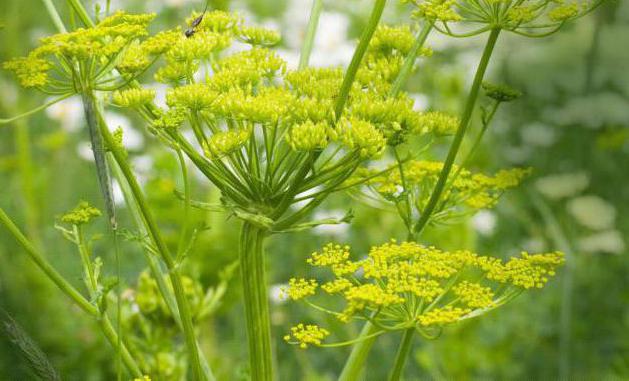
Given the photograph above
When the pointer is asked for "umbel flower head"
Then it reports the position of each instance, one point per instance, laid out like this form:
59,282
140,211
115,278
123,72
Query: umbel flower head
534,18
81,215
66,62
404,285
466,191
269,136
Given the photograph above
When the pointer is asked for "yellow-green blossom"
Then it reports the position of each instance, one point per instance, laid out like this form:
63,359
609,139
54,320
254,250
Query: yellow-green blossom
82,214
226,142
134,97
300,288
308,136
305,335
403,285
258,36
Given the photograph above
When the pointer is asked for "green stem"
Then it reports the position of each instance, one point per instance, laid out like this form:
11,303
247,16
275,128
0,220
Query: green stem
359,54
81,12
155,234
409,62
256,305
460,133
35,110
402,354
54,15
43,264
356,360
114,339
313,23
71,292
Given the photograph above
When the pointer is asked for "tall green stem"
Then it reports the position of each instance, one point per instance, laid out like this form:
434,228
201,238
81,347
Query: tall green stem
313,23
409,62
460,133
402,354
256,305
356,360
154,232
359,54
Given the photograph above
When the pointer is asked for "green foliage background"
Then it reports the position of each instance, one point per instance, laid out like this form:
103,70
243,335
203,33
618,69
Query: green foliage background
575,85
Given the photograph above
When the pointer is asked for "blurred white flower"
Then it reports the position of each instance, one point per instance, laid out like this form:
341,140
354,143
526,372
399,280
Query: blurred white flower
142,164
84,150
117,193
562,185
275,293
517,154
296,22
68,112
484,222
336,230
538,134
131,138
610,241
421,102
592,212
331,47
592,111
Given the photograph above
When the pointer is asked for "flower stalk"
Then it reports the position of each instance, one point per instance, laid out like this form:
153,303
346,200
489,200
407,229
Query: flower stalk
356,360
258,321
311,31
402,354
154,232
460,133
69,290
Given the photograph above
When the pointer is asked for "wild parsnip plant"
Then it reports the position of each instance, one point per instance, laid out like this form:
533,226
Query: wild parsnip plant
277,142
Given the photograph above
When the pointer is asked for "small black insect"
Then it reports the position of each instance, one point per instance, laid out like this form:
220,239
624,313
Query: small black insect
195,23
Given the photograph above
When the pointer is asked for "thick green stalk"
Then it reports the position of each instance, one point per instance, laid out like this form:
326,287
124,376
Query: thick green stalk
154,232
359,54
409,62
402,354
313,23
256,304
71,292
460,133
356,360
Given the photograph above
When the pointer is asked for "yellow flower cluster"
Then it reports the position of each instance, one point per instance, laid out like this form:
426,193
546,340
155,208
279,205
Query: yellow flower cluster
474,295
82,214
307,335
466,191
299,288
134,97
442,316
259,36
522,17
226,142
308,136
112,37
362,136
438,10
400,285
436,122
